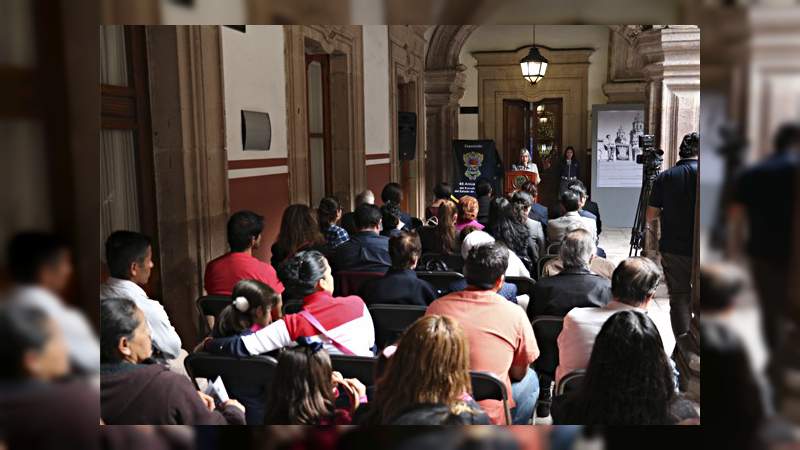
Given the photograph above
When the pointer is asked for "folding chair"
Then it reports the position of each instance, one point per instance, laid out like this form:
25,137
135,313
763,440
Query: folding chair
554,248
546,329
486,386
348,283
440,281
252,376
542,262
209,307
361,368
391,320
524,285
570,382
455,263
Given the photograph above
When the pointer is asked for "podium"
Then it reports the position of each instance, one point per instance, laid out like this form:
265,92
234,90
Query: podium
516,178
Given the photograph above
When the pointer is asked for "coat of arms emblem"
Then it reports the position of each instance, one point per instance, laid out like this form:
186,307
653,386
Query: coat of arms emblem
473,161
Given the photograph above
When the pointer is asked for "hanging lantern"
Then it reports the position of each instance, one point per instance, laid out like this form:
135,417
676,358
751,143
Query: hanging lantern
533,66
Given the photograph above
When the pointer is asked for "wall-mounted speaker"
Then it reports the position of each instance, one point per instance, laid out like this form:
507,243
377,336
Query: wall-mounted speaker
406,135
256,130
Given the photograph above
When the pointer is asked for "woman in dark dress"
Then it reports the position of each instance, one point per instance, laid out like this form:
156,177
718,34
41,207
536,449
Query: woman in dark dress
570,169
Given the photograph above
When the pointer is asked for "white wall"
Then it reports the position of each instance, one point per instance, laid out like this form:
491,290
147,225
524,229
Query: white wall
376,89
512,37
255,79
208,12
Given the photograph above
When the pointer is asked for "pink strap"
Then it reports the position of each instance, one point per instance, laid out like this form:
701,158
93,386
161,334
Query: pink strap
315,323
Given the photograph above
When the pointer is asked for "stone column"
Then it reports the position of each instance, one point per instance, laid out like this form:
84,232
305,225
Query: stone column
186,89
443,90
672,71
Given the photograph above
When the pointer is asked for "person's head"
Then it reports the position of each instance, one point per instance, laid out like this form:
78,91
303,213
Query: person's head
302,388
442,191
530,187
40,258
329,211
569,152
522,203
299,228
129,256
580,189
690,145
486,265
635,280
430,366
628,380
483,188
244,230
788,137
124,334
467,208
365,197
524,156
577,249
496,209
570,200
720,285
392,192
306,272
508,226
32,345
368,218
252,303
474,239
447,216
390,216
405,250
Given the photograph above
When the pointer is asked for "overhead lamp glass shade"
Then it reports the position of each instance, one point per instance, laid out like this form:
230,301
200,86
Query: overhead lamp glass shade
533,66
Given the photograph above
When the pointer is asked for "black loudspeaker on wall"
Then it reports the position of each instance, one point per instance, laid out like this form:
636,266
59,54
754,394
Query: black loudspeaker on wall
407,134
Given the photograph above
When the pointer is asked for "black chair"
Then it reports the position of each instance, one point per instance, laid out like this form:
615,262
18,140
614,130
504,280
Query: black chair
391,320
440,281
546,329
209,307
252,375
524,285
292,307
570,382
554,248
542,261
486,386
348,283
454,262
359,367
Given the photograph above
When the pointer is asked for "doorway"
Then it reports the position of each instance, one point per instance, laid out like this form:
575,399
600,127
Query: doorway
320,177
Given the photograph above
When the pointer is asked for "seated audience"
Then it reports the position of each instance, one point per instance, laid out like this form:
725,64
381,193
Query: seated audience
400,285
244,237
633,287
328,215
538,211
588,208
130,261
628,380
483,192
304,388
441,238
254,306
40,266
557,228
349,219
38,409
299,232
393,193
391,225
133,390
501,339
467,213
576,286
508,290
343,323
600,266
510,228
522,202
367,250
426,381
442,193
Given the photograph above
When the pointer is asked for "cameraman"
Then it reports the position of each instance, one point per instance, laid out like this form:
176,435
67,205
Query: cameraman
673,198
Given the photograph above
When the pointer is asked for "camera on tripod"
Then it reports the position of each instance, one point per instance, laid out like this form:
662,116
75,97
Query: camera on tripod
651,159
650,155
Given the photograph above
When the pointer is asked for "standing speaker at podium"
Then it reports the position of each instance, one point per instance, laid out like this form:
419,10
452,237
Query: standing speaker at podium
525,162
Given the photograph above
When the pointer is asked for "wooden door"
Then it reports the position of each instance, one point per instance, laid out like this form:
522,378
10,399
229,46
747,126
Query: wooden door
546,123
515,130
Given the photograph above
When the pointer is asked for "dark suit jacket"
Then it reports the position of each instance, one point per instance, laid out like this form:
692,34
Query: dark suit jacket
348,222
592,207
398,287
539,212
483,209
572,288
364,252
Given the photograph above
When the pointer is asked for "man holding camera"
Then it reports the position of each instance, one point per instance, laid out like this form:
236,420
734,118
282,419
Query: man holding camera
673,200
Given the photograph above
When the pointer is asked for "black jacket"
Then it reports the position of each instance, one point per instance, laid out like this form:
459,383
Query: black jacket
539,212
592,207
398,287
572,288
366,251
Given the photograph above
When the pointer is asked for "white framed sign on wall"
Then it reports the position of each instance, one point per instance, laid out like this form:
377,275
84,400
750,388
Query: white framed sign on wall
616,142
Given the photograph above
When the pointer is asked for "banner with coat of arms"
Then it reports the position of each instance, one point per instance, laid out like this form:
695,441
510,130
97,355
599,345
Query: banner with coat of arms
475,160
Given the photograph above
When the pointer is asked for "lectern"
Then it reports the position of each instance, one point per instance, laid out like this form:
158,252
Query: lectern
516,178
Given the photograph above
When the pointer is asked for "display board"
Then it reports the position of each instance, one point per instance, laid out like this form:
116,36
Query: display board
475,160
616,138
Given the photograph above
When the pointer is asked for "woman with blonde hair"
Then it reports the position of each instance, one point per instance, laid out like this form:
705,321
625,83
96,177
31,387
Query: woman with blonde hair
468,213
426,380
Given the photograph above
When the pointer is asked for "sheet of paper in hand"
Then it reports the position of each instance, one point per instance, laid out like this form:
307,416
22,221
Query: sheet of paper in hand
217,391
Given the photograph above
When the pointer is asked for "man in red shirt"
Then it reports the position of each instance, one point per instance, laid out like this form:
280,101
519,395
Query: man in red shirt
501,339
244,236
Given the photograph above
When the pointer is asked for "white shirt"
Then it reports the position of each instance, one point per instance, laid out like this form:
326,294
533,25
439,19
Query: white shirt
164,336
557,228
516,268
582,325
82,344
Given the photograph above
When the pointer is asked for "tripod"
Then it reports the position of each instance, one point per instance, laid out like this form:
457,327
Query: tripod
651,161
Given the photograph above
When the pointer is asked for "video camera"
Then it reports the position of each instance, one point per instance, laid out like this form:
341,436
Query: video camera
650,155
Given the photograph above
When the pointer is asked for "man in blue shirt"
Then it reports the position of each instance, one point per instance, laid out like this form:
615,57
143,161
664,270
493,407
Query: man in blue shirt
673,199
